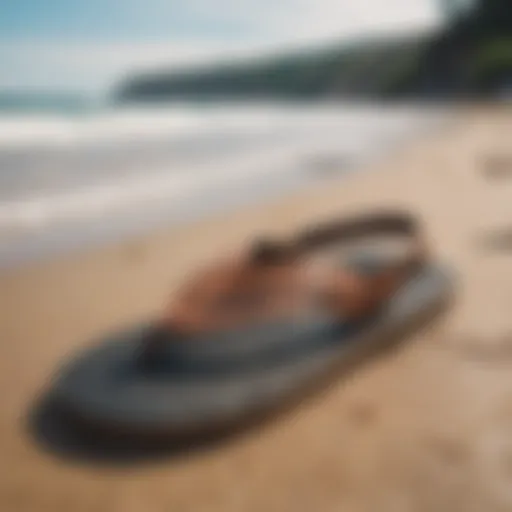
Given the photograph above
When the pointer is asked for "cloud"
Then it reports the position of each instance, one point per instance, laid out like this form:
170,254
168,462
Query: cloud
97,66
332,17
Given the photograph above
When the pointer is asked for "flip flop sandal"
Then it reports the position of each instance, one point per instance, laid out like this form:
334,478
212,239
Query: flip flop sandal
216,382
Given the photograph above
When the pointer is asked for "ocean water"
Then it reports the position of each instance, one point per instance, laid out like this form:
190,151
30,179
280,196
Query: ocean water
69,181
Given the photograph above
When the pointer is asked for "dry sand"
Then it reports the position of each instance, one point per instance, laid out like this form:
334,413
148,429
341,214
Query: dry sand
427,427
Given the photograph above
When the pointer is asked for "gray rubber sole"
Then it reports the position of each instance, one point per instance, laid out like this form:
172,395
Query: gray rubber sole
217,385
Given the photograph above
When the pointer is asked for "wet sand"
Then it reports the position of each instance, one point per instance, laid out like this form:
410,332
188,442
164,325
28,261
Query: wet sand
424,427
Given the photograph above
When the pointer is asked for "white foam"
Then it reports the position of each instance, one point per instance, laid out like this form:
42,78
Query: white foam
37,211
280,140
122,125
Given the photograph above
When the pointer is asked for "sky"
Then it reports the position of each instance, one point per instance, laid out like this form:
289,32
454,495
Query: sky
91,44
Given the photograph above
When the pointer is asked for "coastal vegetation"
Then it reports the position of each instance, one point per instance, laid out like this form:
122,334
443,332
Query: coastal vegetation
469,55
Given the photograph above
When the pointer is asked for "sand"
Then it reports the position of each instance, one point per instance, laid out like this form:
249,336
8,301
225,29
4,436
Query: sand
425,427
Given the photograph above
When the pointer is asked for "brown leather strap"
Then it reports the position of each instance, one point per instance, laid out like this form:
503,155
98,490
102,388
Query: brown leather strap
383,222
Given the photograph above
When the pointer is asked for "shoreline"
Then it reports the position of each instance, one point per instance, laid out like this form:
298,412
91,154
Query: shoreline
26,245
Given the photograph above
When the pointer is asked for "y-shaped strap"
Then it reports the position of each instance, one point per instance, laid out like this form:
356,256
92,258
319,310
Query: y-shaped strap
383,222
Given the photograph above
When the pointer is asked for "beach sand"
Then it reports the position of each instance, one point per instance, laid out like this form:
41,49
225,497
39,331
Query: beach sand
424,427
